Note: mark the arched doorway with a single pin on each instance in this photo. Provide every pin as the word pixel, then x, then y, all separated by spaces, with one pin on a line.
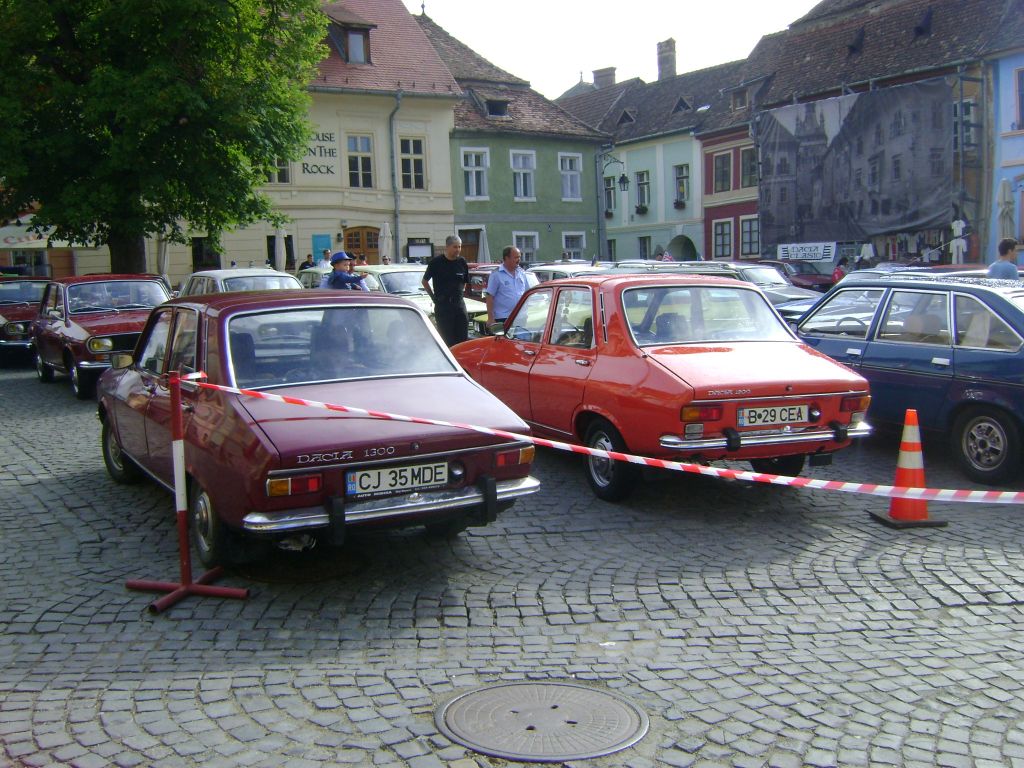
pixel 682 249
pixel 365 241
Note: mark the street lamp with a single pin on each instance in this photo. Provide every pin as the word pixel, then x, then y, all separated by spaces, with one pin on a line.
pixel 604 158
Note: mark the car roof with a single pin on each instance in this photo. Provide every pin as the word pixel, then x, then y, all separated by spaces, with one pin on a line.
pixel 238 272
pixel 632 280
pixel 102 278
pixel 936 280
pixel 243 301
pixel 381 268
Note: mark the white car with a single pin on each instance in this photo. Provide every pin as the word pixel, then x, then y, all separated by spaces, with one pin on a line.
pixel 225 280
pixel 406 280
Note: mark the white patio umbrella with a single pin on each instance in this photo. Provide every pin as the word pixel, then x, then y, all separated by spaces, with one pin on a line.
pixel 280 254
pixel 483 253
pixel 1006 202
pixel 161 258
pixel 385 243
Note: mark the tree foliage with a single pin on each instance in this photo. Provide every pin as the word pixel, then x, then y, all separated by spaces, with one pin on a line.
pixel 125 119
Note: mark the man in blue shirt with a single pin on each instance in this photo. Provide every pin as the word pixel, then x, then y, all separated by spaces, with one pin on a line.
pixel 1005 268
pixel 343 278
pixel 505 285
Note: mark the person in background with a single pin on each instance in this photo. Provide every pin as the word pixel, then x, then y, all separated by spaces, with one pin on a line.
pixel 385 259
pixel 505 285
pixel 307 264
pixel 343 278
pixel 840 271
pixel 360 260
pixel 449 273
pixel 1005 267
pixel 325 258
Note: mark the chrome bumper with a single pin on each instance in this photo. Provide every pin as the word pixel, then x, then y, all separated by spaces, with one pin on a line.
pixel 409 505
pixel 94 365
pixel 16 344
pixel 676 443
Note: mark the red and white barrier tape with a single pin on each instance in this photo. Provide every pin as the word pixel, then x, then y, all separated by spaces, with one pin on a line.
pixel 888 491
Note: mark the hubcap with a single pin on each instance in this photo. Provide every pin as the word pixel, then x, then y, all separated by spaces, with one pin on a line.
pixel 202 522
pixel 114 450
pixel 985 445
pixel 601 468
pixel 76 382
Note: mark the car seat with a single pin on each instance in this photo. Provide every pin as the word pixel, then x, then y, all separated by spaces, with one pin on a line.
pixel 243 358
pixel 671 327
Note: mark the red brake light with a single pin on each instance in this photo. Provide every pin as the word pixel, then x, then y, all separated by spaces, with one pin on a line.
pixel 690 413
pixel 855 403
pixel 292 486
pixel 515 457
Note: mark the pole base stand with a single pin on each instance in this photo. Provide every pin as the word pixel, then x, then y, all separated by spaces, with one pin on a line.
pixel 883 517
pixel 178 592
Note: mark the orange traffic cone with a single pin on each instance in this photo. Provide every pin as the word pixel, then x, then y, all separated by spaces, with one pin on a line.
pixel 906 513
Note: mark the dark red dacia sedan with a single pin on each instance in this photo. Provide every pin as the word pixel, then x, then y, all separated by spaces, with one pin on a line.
pixel 259 468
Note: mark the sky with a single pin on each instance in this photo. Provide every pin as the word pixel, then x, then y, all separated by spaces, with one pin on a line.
pixel 549 42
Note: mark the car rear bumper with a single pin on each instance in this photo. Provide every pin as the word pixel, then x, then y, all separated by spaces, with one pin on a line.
pixel 740 441
pixel 390 508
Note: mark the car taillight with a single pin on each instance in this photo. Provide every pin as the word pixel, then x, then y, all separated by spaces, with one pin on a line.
pixel 293 486
pixel 692 413
pixel 855 403
pixel 515 457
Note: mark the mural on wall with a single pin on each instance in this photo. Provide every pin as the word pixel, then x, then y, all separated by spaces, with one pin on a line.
pixel 854 167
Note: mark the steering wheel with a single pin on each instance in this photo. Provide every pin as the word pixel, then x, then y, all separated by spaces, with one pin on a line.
pixel 851 319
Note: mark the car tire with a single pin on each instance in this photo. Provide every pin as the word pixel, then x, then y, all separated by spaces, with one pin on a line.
pixel 986 444
pixel 43 371
pixel 122 469
pixel 610 480
pixel 82 384
pixel 209 535
pixel 790 466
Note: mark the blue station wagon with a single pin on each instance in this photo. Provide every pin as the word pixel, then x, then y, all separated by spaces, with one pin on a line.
pixel 950 347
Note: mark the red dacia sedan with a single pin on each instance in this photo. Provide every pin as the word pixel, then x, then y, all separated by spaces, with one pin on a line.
pixel 668 366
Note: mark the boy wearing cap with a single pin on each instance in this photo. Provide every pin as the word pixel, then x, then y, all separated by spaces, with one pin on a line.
pixel 343 278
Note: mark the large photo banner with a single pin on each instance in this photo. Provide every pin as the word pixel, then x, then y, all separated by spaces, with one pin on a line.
pixel 852 167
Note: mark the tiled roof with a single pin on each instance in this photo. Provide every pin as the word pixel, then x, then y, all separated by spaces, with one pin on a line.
pixel 403 58
pixel 1009 32
pixel 635 110
pixel 847 42
pixel 528 111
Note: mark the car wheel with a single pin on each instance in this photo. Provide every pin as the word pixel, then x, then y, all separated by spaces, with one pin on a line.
pixel 119 467
pixel 986 443
pixel 82 384
pixel 209 536
pixel 790 466
pixel 609 479
pixel 43 371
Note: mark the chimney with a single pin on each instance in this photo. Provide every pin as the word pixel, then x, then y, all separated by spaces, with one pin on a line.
pixel 667 59
pixel 604 77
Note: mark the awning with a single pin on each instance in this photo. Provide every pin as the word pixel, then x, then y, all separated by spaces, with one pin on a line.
pixel 15 238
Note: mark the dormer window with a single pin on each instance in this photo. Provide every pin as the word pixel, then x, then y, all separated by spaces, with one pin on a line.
pixel 626 117
pixel 357 46
pixel 497 108
pixel 681 106
pixel 350 35
pixel 739 99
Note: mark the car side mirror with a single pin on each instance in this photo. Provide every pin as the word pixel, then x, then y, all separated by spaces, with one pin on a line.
pixel 55 314
pixel 120 360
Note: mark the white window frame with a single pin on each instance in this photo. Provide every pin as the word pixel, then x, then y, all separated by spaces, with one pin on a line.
pixel 573 252
pixel 519 241
pixel 478 171
pixel 714 172
pixel 714 239
pixel 610 190
pixel 757 249
pixel 682 176
pixel 643 247
pixel 361 155
pixel 572 177
pixel 413 158
pixel 282 173
pixel 748 152
pixel 523 177
pixel 969 108
pixel 643 188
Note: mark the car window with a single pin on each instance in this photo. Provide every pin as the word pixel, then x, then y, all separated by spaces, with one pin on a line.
pixel 405 283
pixel 529 322
pixel 103 296
pixel 847 313
pixel 53 298
pixel 301 345
pixel 154 349
pixel 916 317
pixel 183 346
pixel 269 282
pixel 21 291
pixel 979 327
pixel 573 324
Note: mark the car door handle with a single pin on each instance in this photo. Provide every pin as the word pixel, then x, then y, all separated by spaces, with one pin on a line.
pixel 853 352
pixel 943 361
pixel 530 352
pixel 584 363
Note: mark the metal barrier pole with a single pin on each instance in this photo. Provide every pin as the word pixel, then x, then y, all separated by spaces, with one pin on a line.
pixel 186 586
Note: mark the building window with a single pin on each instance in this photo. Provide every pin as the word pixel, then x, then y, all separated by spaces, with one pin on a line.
pixel 611 249
pixel 360 162
pixel 526 242
pixel 497 108
pixel 963 128
pixel 748 167
pixel 524 163
pixel 739 99
pixel 897 168
pixel 1020 100
pixel 411 151
pixel 573 243
pixel 937 161
pixel 859 146
pixel 898 125
pixel 643 245
pixel 289 252
pixel 783 168
pixel 643 188
pixel 783 194
pixel 874 172
pixel 569 166
pixel 721 232
pixel 683 182
pixel 474 171
pixel 609 193
pixel 858 178
pixel 878 135
pixel 750 236
pixel 281 173
pixel 357 43
pixel 723 172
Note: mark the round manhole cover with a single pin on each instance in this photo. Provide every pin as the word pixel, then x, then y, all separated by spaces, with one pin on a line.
pixel 542 722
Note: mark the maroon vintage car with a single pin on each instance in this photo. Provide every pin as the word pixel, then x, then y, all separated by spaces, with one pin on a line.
pixel 264 469
pixel 81 320
pixel 19 302
pixel 669 366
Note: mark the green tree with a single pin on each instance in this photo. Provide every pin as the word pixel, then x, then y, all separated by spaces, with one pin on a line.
pixel 124 119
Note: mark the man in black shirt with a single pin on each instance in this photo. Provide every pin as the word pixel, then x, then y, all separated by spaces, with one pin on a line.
pixel 450 274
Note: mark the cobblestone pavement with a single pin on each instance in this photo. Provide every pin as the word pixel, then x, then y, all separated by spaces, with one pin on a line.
pixel 755 625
